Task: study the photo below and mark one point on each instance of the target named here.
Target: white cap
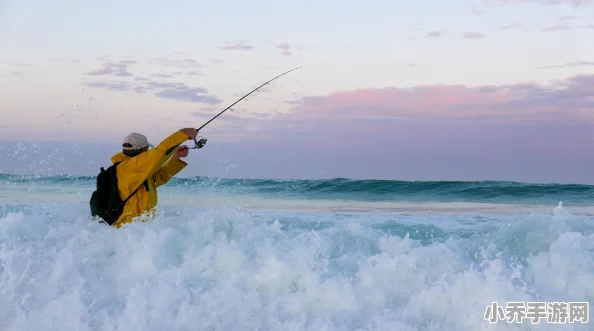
(137, 140)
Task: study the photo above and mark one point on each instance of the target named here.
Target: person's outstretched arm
(172, 167)
(141, 167)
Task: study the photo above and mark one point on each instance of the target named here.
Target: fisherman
(127, 189)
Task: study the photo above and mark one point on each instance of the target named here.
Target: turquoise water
(336, 254)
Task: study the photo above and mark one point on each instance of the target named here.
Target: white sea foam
(231, 269)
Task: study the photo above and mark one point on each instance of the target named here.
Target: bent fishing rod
(202, 141)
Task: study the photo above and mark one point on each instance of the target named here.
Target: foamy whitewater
(293, 255)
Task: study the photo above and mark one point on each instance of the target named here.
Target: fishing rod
(201, 140)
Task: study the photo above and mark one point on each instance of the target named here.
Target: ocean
(339, 254)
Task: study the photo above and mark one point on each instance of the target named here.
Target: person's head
(134, 144)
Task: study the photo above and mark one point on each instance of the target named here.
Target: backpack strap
(131, 194)
(136, 190)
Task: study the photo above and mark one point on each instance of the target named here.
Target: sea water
(226, 254)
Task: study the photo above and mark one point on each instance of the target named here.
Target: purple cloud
(71, 61)
(434, 34)
(179, 91)
(557, 28)
(109, 68)
(191, 73)
(571, 64)
(238, 46)
(567, 18)
(140, 85)
(175, 91)
(111, 86)
(511, 26)
(162, 75)
(185, 63)
(188, 94)
(473, 35)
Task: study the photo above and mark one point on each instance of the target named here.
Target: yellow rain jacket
(146, 172)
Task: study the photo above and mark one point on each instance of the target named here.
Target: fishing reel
(199, 142)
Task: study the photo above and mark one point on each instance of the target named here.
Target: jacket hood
(119, 157)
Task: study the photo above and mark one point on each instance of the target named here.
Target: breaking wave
(233, 269)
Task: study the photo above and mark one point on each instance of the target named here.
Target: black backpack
(105, 201)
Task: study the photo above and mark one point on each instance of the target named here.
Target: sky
(419, 90)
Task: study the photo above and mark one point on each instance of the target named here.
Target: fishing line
(201, 141)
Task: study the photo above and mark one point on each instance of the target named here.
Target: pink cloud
(570, 100)
(545, 118)
(285, 48)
